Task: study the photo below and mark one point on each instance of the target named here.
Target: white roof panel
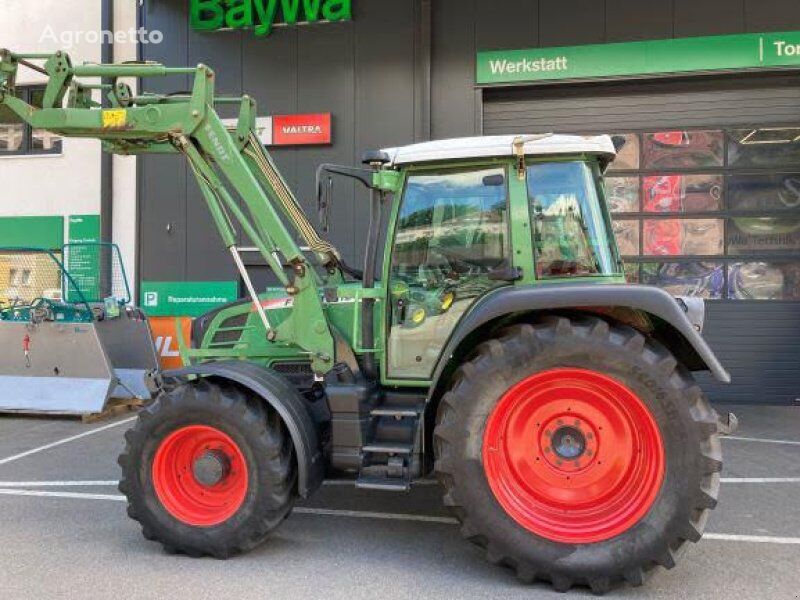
(501, 145)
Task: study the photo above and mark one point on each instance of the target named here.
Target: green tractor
(491, 341)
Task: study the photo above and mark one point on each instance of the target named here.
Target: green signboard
(83, 263)
(32, 232)
(185, 298)
(263, 15)
(632, 59)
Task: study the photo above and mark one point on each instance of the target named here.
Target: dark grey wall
(367, 73)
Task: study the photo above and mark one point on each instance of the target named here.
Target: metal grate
(26, 275)
(97, 271)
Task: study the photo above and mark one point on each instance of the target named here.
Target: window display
(674, 237)
(764, 281)
(702, 279)
(681, 193)
(690, 195)
(764, 147)
(683, 149)
(622, 194)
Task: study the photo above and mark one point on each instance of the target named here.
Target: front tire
(208, 470)
(577, 452)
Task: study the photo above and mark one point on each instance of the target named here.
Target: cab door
(451, 240)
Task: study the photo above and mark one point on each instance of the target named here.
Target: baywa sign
(263, 15)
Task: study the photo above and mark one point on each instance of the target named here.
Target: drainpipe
(106, 159)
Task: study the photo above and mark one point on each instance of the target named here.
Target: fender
(283, 397)
(677, 331)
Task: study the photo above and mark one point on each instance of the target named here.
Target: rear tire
(526, 508)
(252, 470)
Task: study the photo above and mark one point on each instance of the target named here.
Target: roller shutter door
(757, 340)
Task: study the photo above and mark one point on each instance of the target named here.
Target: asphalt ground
(64, 532)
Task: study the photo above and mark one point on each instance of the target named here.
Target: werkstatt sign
(185, 298)
(600, 61)
(263, 15)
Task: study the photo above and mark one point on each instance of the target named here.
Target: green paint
(32, 232)
(185, 298)
(83, 262)
(681, 55)
(263, 15)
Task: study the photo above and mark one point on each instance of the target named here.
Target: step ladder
(390, 458)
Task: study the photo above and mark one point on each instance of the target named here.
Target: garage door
(706, 202)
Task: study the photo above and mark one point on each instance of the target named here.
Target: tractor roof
(502, 145)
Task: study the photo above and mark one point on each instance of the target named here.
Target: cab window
(571, 235)
(451, 234)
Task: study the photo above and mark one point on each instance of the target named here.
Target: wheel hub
(573, 455)
(568, 442)
(211, 468)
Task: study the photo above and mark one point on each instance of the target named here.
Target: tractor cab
(477, 214)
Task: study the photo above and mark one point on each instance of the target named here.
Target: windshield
(571, 233)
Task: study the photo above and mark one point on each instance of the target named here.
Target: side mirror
(494, 181)
(375, 158)
(619, 142)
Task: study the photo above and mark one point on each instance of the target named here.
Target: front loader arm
(226, 163)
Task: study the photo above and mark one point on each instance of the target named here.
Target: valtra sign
(295, 130)
(263, 15)
(292, 130)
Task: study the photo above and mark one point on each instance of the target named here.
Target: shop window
(20, 139)
(626, 231)
(628, 157)
(764, 192)
(759, 235)
(632, 272)
(681, 193)
(694, 278)
(683, 149)
(622, 194)
(678, 237)
(764, 281)
(764, 147)
(713, 213)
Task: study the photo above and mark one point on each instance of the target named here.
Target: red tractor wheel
(593, 455)
(208, 470)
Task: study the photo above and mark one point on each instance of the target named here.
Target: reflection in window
(11, 137)
(628, 157)
(763, 234)
(764, 281)
(45, 141)
(570, 234)
(673, 237)
(622, 194)
(451, 234)
(765, 147)
(770, 191)
(632, 272)
(701, 279)
(681, 193)
(683, 149)
(626, 233)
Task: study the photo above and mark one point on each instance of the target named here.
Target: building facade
(706, 194)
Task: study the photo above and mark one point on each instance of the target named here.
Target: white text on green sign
(681, 55)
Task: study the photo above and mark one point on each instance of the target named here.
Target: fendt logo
(263, 15)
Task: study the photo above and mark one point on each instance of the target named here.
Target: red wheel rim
(573, 455)
(183, 495)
